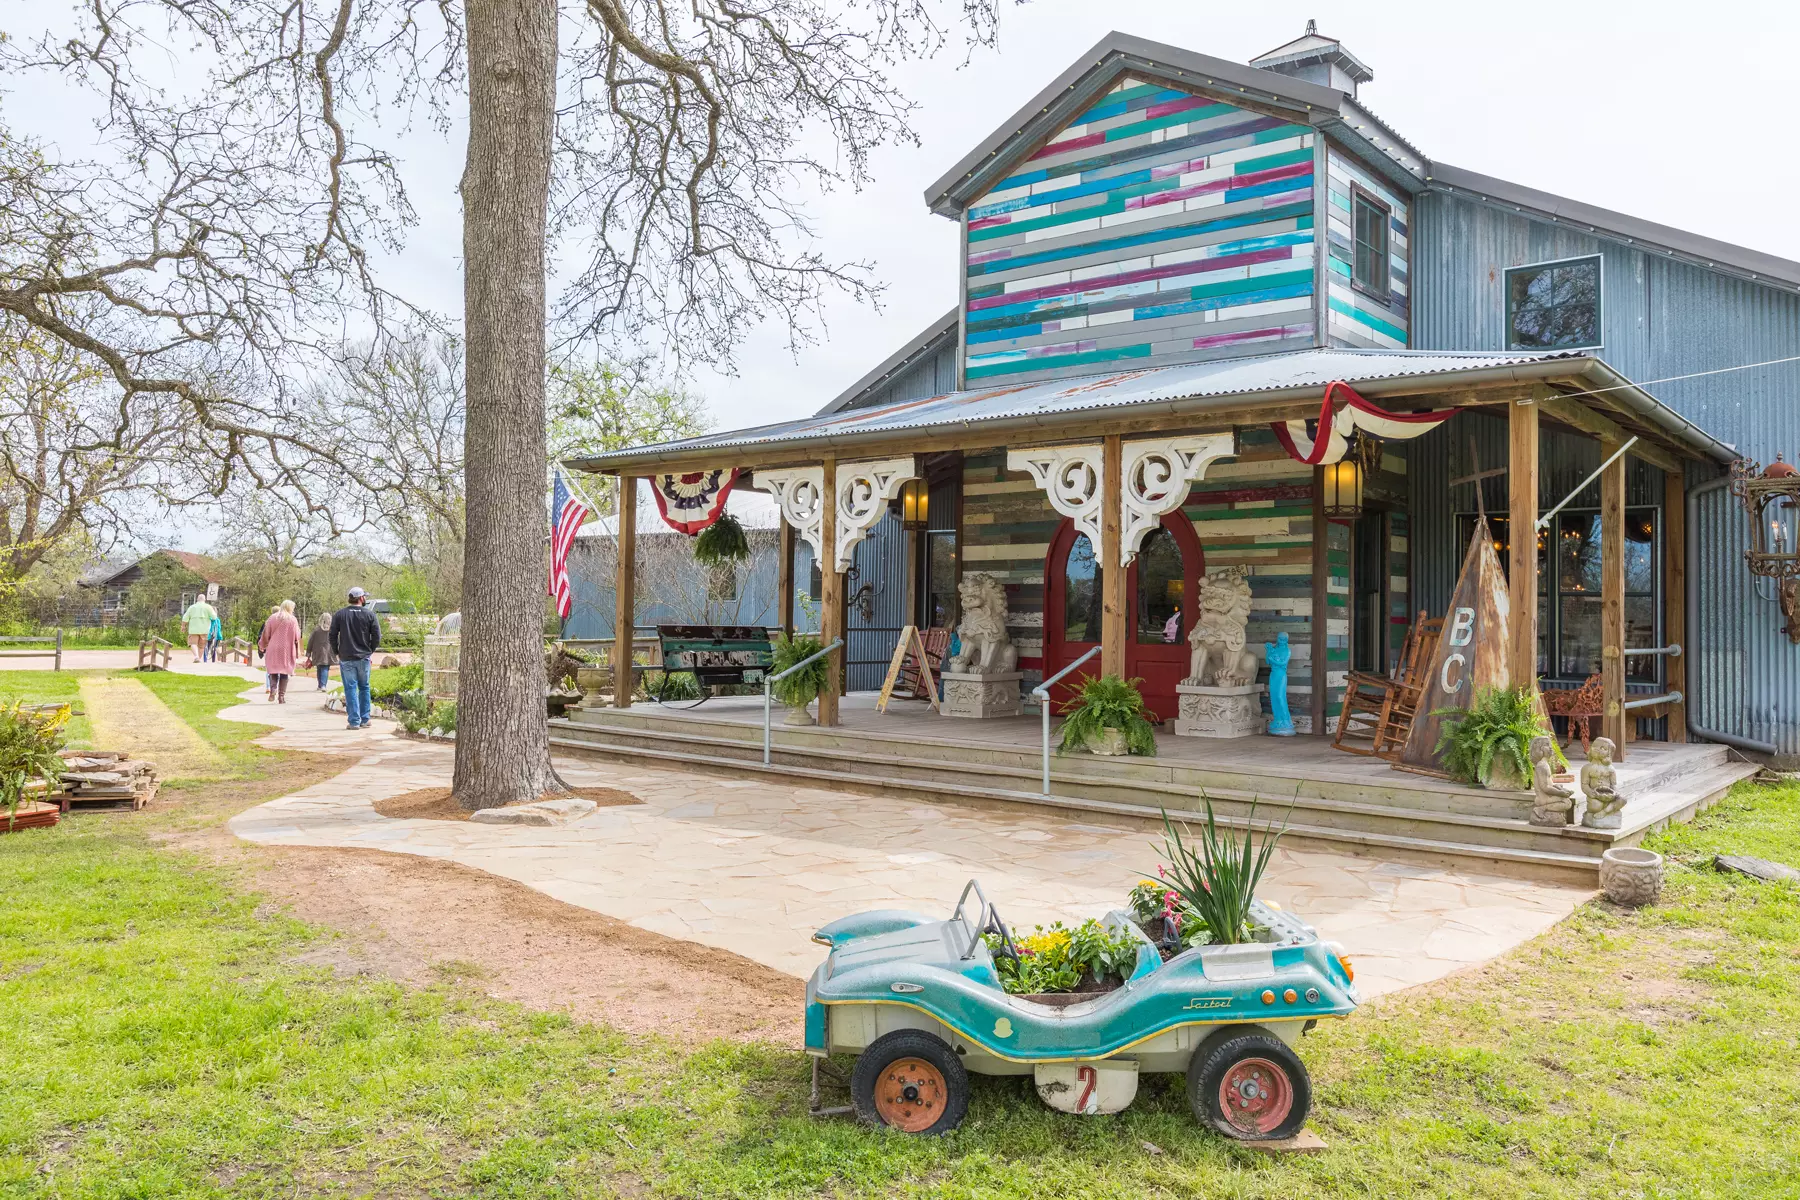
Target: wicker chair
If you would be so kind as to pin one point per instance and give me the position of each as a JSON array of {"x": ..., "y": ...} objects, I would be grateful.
[
  {"x": 1380, "y": 708},
  {"x": 1578, "y": 706}
]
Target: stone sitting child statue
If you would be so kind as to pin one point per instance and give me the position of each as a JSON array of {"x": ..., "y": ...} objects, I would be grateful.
[
  {"x": 1600, "y": 784},
  {"x": 1555, "y": 801}
]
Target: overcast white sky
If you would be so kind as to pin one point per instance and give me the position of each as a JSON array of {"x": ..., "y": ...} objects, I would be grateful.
[{"x": 1678, "y": 113}]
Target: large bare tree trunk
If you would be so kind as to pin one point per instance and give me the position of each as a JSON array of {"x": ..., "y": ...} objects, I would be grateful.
[{"x": 502, "y": 747}]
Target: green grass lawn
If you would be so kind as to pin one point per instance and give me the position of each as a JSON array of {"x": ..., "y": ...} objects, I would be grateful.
[
  {"x": 49, "y": 687},
  {"x": 161, "y": 1040}
]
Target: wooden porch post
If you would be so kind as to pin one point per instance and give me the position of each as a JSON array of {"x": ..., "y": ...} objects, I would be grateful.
[
  {"x": 831, "y": 600},
  {"x": 1522, "y": 514},
  {"x": 1321, "y": 605},
  {"x": 1675, "y": 629},
  {"x": 784, "y": 579},
  {"x": 624, "y": 592},
  {"x": 1114, "y": 603},
  {"x": 1612, "y": 599}
]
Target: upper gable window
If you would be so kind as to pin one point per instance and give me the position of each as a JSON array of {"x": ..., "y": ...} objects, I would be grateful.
[
  {"x": 1554, "y": 306},
  {"x": 1369, "y": 268}
]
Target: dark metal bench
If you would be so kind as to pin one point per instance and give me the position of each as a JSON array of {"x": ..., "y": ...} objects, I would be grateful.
[{"x": 715, "y": 655}]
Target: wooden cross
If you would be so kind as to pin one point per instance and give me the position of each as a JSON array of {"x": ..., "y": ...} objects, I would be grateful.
[{"x": 1476, "y": 476}]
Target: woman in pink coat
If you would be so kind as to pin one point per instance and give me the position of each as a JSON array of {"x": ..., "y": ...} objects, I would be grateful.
[{"x": 280, "y": 646}]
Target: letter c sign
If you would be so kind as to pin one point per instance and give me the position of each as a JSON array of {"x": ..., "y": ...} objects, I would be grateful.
[{"x": 1450, "y": 689}]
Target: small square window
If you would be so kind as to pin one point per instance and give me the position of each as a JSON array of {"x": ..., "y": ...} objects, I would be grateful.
[
  {"x": 1369, "y": 266},
  {"x": 1553, "y": 306}
]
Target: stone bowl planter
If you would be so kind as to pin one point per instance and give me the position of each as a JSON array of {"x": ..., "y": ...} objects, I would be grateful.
[
  {"x": 1631, "y": 875},
  {"x": 800, "y": 715},
  {"x": 1109, "y": 742},
  {"x": 594, "y": 682}
]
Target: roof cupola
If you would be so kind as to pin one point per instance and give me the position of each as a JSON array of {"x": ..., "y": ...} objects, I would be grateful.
[{"x": 1315, "y": 58}]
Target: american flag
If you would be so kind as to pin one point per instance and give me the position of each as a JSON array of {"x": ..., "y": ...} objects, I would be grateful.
[{"x": 566, "y": 515}]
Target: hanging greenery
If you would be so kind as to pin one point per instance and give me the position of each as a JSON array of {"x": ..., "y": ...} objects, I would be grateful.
[{"x": 721, "y": 543}]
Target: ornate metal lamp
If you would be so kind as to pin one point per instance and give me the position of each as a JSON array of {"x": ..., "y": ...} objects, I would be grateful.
[
  {"x": 915, "y": 505},
  {"x": 1342, "y": 492},
  {"x": 1771, "y": 499}
]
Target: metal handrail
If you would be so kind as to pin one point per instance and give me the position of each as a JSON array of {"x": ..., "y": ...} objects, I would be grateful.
[
  {"x": 1673, "y": 651},
  {"x": 1042, "y": 692},
  {"x": 771, "y": 680},
  {"x": 1651, "y": 701}
]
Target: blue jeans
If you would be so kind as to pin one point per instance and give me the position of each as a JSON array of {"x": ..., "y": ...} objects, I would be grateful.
[
  {"x": 355, "y": 674},
  {"x": 324, "y": 676}
]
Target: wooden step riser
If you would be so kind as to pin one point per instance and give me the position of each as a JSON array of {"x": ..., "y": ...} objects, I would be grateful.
[
  {"x": 1409, "y": 792},
  {"x": 944, "y": 780},
  {"x": 1561, "y": 868}
]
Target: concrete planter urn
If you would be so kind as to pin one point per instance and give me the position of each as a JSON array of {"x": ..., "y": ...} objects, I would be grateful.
[
  {"x": 1109, "y": 742},
  {"x": 800, "y": 715},
  {"x": 1631, "y": 875},
  {"x": 593, "y": 682}
]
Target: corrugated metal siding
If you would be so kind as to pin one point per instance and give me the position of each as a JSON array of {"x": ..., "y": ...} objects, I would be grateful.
[
  {"x": 932, "y": 373},
  {"x": 879, "y": 561},
  {"x": 1660, "y": 318}
]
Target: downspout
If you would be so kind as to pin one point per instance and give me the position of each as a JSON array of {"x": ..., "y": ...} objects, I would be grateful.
[{"x": 1693, "y": 610}]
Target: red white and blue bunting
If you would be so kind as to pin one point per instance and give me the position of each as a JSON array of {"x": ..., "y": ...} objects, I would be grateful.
[
  {"x": 1302, "y": 440},
  {"x": 691, "y": 502}
]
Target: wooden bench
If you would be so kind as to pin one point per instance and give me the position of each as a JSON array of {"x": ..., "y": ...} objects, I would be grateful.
[{"x": 715, "y": 655}]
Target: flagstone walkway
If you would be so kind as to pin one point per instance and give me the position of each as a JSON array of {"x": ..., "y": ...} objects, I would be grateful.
[{"x": 755, "y": 866}]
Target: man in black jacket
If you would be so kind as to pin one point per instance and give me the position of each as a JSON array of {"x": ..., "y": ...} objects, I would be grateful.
[{"x": 355, "y": 636}]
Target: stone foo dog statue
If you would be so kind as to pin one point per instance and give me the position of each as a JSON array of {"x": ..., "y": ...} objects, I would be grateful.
[
  {"x": 1216, "y": 656},
  {"x": 986, "y": 649}
]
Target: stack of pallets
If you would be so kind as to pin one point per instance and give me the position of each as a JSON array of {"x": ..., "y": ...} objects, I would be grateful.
[{"x": 105, "y": 777}]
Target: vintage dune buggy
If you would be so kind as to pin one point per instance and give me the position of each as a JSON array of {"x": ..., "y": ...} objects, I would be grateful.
[{"x": 919, "y": 1002}]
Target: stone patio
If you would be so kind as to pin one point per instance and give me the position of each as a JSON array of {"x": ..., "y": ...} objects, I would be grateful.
[{"x": 754, "y": 866}]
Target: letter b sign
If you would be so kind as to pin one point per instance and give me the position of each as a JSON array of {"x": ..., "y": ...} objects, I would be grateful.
[{"x": 1462, "y": 627}]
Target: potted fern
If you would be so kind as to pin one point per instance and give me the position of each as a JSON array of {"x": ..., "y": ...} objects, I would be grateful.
[
  {"x": 1489, "y": 744},
  {"x": 803, "y": 686},
  {"x": 1107, "y": 717}
]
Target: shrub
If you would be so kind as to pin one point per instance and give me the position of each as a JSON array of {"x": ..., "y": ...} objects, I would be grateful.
[
  {"x": 29, "y": 742},
  {"x": 386, "y": 683},
  {"x": 1217, "y": 882},
  {"x": 1498, "y": 728},
  {"x": 1107, "y": 702}
]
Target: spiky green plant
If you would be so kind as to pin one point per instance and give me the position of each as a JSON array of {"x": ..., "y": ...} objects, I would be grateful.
[
  {"x": 30, "y": 741},
  {"x": 1498, "y": 728},
  {"x": 1107, "y": 702},
  {"x": 1217, "y": 880},
  {"x": 799, "y": 689},
  {"x": 722, "y": 543}
]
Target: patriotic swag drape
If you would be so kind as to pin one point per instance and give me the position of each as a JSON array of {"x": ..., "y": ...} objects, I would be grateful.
[
  {"x": 1329, "y": 440},
  {"x": 691, "y": 502}
]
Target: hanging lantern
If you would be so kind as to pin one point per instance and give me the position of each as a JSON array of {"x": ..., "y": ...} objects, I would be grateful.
[
  {"x": 1342, "y": 490},
  {"x": 1771, "y": 499},
  {"x": 915, "y": 505}
]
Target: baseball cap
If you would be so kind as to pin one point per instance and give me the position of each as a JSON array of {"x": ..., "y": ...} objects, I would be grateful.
[{"x": 357, "y": 593}]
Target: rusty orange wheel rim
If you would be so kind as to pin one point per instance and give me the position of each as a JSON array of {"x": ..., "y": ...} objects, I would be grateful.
[
  {"x": 1256, "y": 1096},
  {"x": 910, "y": 1095}
]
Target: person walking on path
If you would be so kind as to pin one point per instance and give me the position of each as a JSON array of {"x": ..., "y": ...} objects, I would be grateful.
[
  {"x": 215, "y": 640},
  {"x": 355, "y": 636},
  {"x": 198, "y": 621},
  {"x": 280, "y": 646},
  {"x": 318, "y": 649}
]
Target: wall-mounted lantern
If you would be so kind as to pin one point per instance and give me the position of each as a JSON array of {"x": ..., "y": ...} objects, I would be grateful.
[
  {"x": 915, "y": 505},
  {"x": 1342, "y": 488},
  {"x": 1771, "y": 499}
]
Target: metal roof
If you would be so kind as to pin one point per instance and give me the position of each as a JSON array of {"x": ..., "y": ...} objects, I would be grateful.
[
  {"x": 899, "y": 360},
  {"x": 1055, "y": 408}
]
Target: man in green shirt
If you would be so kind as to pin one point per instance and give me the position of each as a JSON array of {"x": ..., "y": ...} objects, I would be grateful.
[{"x": 198, "y": 619}]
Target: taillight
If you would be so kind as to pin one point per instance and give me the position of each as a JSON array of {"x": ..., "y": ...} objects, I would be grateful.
[{"x": 1349, "y": 971}]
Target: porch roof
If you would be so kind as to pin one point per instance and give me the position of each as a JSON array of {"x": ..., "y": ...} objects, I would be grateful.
[{"x": 1271, "y": 387}]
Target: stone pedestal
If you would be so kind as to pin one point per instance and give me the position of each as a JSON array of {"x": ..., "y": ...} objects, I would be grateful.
[
  {"x": 981, "y": 694},
  {"x": 1219, "y": 712}
]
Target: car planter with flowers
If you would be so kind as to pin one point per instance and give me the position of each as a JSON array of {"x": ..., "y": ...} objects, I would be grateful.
[{"x": 1220, "y": 990}]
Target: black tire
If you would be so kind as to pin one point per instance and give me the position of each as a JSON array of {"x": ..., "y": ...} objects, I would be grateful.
[
  {"x": 947, "y": 1095},
  {"x": 1273, "y": 1090}
]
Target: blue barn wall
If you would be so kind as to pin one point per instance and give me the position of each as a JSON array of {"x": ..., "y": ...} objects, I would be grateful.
[
  {"x": 592, "y": 607},
  {"x": 1660, "y": 317}
]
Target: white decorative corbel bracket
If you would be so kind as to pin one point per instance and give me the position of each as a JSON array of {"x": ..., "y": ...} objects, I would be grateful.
[
  {"x": 863, "y": 492},
  {"x": 1157, "y": 476},
  {"x": 1073, "y": 477}
]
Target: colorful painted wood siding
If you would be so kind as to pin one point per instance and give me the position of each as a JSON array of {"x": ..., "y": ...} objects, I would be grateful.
[
  {"x": 1354, "y": 316},
  {"x": 1007, "y": 524},
  {"x": 1160, "y": 227}
]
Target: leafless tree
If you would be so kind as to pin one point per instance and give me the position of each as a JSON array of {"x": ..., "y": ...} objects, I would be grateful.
[{"x": 225, "y": 229}]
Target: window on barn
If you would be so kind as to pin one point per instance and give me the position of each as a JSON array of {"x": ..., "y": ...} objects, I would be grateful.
[
  {"x": 1554, "y": 306},
  {"x": 1369, "y": 267}
]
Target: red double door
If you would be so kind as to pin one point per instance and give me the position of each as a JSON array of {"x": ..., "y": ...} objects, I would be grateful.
[{"x": 1162, "y": 582}]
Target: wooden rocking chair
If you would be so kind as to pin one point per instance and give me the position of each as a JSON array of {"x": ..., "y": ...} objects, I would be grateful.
[
  {"x": 1380, "y": 708},
  {"x": 937, "y": 646}
]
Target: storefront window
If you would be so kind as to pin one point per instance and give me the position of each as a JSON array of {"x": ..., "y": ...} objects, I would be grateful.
[
  {"x": 1083, "y": 580},
  {"x": 940, "y": 579},
  {"x": 1161, "y": 579}
]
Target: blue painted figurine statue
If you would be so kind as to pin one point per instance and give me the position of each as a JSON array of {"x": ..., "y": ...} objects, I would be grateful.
[{"x": 1276, "y": 654}]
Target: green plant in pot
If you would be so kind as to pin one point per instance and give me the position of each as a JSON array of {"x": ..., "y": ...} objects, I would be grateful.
[
  {"x": 722, "y": 544},
  {"x": 803, "y": 686},
  {"x": 1106, "y": 716},
  {"x": 1216, "y": 876},
  {"x": 1489, "y": 744},
  {"x": 29, "y": 744}
]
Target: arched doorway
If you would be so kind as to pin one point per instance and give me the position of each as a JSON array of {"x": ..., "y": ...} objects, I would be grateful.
[{"x": 1164, "y": 576}]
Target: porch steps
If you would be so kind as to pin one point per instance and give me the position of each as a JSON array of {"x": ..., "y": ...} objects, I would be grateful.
[{"x": 1412, "y": 816}]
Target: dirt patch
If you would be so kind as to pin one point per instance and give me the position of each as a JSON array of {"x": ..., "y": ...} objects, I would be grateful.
[
  {"x": 422, "y": 921},
  {"x": 435, "y": 804}
]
